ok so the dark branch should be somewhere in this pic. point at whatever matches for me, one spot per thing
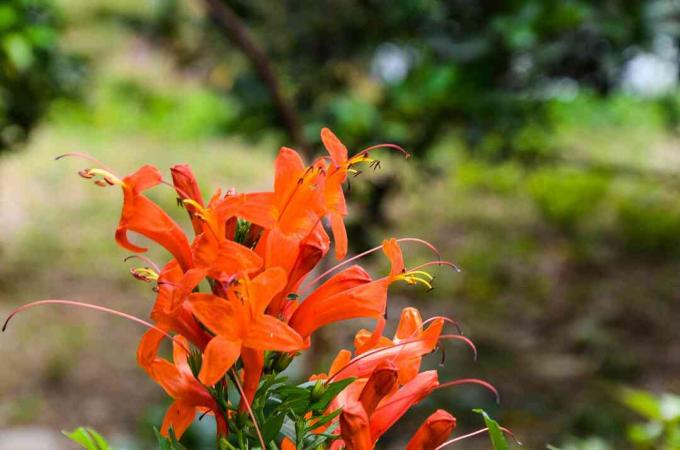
(230, 25)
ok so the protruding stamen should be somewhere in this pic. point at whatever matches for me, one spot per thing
(372, 353)
(458, 337)
(146, 259)
(416, 276)
(89, 306)
(106, 177)
(482, 383)
(475, 433)
(437, 263)
(308, 285)
(375, 147)
(84, 156)
(445, 319)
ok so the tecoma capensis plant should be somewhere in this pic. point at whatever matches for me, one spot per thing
(240, 300)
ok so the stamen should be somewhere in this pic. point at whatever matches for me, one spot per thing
(458, 337)
(145, 274)
(375, 147)
(89, 306)
(250, 411)
(413, 279)
(482, 383)
(371, 353)
(195, 204)
(107, 178)
(84, 156)
(475, 433)
(445, 319)
(309, 284)
(437, 263)
(146, 259)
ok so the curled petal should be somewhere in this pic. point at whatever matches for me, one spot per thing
(433, 432)
(379, 384)
(354, 427)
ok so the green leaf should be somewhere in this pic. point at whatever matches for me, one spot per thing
(19, 51)
(169, 443)
(495, 434)
(87, 438)
(332, 390)
(642, 402)
(323, 420)
(270, 429)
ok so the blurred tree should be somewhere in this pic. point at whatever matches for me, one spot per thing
(33, 70)
(407, 70)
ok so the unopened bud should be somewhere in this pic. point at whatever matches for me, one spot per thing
(282, 362)
(318, 390)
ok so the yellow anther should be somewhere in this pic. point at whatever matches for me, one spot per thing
(199, 211)
(360, 158)
(195, 204)
(415, 277)
(144, 274)
(107, 176)
(421, 272)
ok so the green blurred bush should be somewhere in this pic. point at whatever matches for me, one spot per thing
(33, 69)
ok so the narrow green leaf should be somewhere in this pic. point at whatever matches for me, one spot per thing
(332, 390)
(87, 438)
(270, 429)
(495, 434)
(169, 443)
(642, 402)
(323, 420)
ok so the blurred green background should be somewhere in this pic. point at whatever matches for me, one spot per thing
(545, 136)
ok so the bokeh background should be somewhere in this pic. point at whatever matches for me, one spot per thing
(545, 136)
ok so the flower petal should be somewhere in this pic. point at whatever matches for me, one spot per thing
(179, 416)
(218, 357)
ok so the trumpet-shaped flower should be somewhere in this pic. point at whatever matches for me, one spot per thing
(239, 322)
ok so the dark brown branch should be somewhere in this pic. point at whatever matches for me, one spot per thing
(237, 32)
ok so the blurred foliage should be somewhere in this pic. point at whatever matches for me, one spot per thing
(552, 189)
(408, 71)
(659, 431)
(33, 69)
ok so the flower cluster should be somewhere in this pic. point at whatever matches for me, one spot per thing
(237, 302)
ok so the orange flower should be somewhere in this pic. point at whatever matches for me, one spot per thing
(294, 210)
(143, 216)
(394, 406)
(410, 327)
(378, 407)
(239, 322)
(339, 167)
(188, 394)
(400, 354)
(433, 432)
(312, 249)
(171, 312)
(350, 294)
(187, 188)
